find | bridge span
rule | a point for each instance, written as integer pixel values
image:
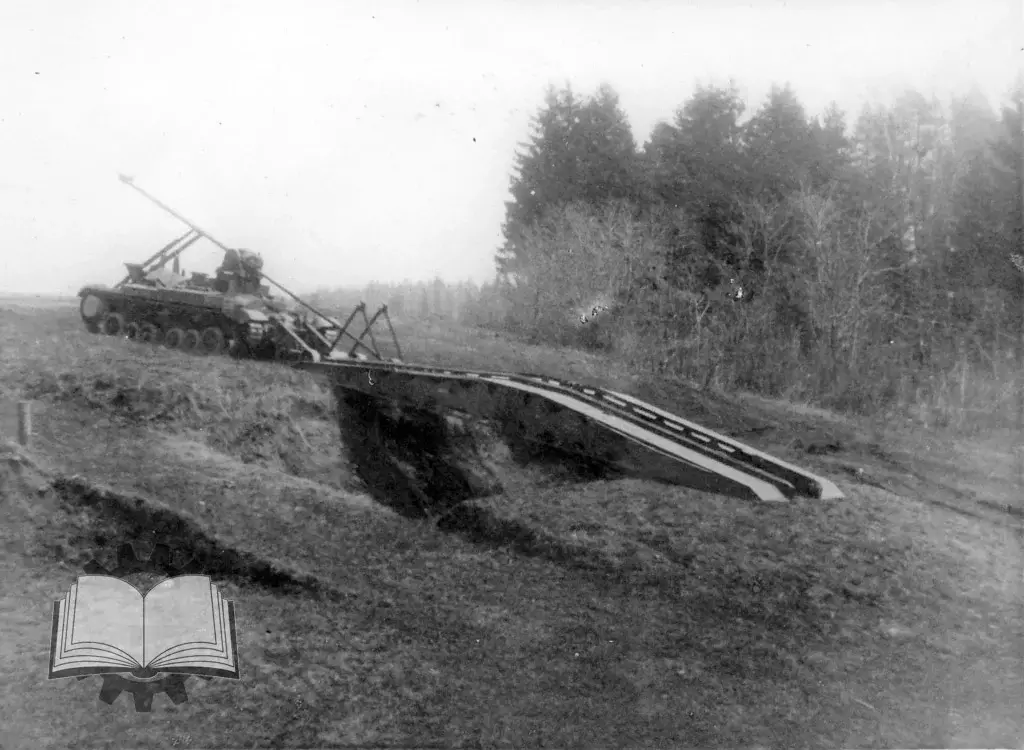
(615, 430)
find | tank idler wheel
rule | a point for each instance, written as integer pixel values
(149, 333)
(92, 309)
(132, 331)
(191, 341)
(113, 324)
(174, 337)
(213, 341)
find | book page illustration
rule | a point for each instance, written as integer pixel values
(187, 625)
(105, 625)
(98, 625)
(199, 659)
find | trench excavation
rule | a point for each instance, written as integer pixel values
(424, 465)
(421, 463)
(427, 466)
(415, 461)
(95, 521)
(118, 516)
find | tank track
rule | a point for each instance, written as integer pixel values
(173, 326)
(178, 327)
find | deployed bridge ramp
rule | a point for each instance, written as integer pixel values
(618, 431)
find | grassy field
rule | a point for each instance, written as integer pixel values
(600, 614)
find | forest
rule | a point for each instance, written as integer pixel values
(869, 265)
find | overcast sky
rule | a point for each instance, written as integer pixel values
(350, 141)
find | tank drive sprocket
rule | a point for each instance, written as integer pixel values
(145, 684)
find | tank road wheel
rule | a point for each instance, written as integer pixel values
(113, 324)
(149, 333)
(213, 341)
(132, 330)
(92, 309)
(173, 338)
(191, 341)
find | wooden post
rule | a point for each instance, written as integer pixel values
(25, 423)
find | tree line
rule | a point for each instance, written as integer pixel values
(436, 299)
(864, 266)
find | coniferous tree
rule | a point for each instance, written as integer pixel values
(546, 174)
(830, 151)
(580, 150)
(696, 165)
(604, 150)
(780, 147)
(424, 302)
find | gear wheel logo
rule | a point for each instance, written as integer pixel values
(145, 683)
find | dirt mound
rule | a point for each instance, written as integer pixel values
(285, 421)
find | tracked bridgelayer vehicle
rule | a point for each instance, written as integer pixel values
(234, 312)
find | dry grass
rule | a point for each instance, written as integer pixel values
(471, 348)
(598, 614)
(257, 412)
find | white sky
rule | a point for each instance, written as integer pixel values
(350, 141)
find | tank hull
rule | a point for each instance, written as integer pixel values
(207, 322)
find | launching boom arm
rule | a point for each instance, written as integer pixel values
(199, 232)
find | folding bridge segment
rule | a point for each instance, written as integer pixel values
(616, 430)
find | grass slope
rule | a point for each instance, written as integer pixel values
(616, 613)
